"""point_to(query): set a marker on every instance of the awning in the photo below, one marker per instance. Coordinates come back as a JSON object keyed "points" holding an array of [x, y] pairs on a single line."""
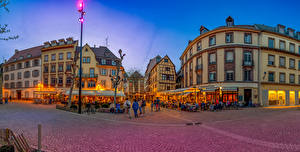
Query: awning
{"points": [[109, 93], [83, 92], [45, 92], [230, 89]]}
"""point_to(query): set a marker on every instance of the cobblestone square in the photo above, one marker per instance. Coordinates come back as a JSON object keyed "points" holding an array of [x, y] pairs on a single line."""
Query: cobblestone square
{"points": [[254, 129]]}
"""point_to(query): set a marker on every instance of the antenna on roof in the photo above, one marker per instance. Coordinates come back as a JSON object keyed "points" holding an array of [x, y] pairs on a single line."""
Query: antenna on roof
{"points": [[106, 42]]}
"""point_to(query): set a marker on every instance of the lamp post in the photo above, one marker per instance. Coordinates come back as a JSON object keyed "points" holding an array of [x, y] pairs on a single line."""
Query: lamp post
{"points": [[82, 13], [116, 79]]}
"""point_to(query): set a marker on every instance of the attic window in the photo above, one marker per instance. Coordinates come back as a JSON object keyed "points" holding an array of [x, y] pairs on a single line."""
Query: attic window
{"points": [[166, 60], [21, 57], [15, 59], [29, 55]]}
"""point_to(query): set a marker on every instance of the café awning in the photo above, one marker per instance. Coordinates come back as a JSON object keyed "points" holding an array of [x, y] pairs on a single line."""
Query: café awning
{"points": [[83, 92], [109, 93], [45, 92], [230, 89]]}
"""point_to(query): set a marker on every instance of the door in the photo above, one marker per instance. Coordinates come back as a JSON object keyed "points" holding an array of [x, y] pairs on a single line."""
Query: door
{"points": [[19, 95], [247, 96]]}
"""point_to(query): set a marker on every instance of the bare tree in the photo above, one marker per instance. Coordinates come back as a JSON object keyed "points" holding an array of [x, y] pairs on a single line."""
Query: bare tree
{"points": [[73, 77], [3, 28]]}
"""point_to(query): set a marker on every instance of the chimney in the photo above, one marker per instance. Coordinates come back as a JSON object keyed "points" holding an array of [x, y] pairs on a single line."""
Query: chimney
{"points": [[16, 50], [229, 21], [53, 43], [291, 32], [61, 41]]}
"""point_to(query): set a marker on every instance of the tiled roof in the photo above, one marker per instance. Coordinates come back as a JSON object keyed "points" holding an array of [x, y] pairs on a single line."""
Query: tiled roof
{"points": [[26, 54], [136, 74], [152, 63], [102, 52], [275, 29]]}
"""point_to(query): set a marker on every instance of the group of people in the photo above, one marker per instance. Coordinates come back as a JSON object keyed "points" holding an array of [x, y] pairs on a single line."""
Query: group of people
{"points": [[137, 105], [156, 105]]}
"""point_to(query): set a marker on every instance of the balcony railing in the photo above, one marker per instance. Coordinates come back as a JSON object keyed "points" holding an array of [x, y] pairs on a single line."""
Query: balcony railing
{"points": [[248, 63], [88, 75]]}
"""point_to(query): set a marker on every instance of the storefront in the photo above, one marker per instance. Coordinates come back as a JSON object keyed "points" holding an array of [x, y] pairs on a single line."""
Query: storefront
{"points": [[276, 97]]}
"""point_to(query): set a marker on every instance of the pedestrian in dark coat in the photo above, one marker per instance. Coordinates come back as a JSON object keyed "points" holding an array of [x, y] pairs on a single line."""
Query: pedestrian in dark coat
{"points": [[135, 107]]}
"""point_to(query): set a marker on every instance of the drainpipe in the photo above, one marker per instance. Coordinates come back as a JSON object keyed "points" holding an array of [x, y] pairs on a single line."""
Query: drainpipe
{"points": [[259, 70]]}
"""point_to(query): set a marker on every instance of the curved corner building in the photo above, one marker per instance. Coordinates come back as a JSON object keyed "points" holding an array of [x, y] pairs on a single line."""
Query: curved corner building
{"points": [[250, 63]]}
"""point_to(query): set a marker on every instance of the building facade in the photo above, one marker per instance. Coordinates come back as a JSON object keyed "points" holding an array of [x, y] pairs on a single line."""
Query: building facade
{"points": [[22, 74], [161, 77], [135, 88], [242, 63], [57, 61], [98, 65]]}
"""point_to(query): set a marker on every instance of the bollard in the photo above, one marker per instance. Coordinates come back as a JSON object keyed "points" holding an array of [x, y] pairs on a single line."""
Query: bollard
{"points": [[39, 137]]}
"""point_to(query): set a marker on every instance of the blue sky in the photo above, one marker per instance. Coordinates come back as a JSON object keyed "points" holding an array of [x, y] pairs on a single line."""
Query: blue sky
{"points": [[142, 29]]}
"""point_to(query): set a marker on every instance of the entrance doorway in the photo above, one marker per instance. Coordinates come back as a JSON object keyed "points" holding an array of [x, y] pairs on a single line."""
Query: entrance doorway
{"points": [[247, 96], [19, 94]]}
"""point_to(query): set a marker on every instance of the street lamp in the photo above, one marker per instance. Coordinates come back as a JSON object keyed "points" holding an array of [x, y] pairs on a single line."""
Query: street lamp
{"points": [[82, 13]]}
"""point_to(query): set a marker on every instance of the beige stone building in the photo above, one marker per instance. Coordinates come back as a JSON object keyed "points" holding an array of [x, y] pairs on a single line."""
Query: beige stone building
{"points": [[98, 65], [57, 60], [161, 76], [255, 63], [22, 74]]}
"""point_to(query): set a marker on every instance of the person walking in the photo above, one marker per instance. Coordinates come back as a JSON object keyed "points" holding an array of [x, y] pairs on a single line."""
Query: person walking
{"points": [[88, 106], [127, 105], [152, 104], [140, 106], [143, 106], [135, 107]]}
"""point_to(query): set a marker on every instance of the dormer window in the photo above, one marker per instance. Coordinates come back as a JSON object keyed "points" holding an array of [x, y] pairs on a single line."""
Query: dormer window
{"points": [[291, 32], [29, 55], [21, 57], [229, 21], [281, 28], [203, 30]]}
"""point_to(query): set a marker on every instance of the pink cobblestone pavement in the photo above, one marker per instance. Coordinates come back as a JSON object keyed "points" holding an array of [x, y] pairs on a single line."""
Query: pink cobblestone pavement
{"points": [[233, 130]]}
